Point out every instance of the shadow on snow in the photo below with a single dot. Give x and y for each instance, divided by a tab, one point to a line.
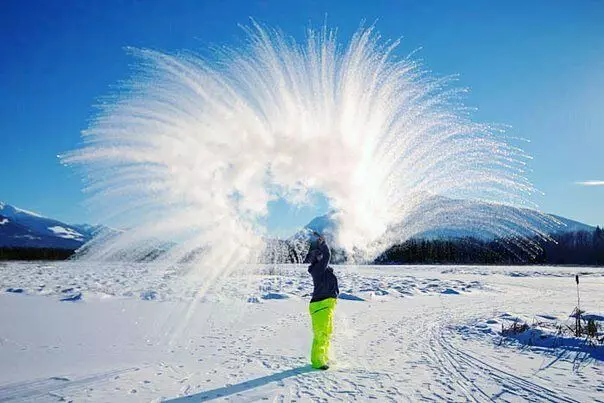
241	387
576	350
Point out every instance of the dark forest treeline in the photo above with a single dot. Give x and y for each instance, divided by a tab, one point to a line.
577	248
35	253
574	248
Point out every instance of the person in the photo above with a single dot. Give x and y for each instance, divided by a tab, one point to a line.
323	302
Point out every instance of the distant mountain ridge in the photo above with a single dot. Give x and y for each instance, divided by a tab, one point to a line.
454	228
20	228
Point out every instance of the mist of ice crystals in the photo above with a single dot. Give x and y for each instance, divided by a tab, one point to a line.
192	150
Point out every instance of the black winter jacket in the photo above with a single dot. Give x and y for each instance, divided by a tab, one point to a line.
324	280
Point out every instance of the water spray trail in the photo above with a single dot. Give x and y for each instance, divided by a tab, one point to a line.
190	153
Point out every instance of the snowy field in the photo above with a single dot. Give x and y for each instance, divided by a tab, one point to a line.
74	332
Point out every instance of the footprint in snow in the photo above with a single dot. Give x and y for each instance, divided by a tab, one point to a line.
450	291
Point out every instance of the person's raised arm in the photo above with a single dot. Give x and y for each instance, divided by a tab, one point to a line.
325	255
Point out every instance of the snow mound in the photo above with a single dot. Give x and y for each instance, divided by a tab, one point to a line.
148	295
156	282
549	336
275	295
77	296
15	290
349	297
450	291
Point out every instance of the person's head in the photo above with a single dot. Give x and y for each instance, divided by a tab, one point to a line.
320	238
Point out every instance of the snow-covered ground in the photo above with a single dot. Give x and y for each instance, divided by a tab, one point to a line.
70	331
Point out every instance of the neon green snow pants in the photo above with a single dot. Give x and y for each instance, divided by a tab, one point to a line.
321	313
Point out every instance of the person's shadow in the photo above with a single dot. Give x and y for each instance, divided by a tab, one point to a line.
241	387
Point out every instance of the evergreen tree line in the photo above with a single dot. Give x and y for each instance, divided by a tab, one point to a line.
35	253
574	248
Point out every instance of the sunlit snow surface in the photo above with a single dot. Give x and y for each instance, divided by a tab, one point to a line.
402	333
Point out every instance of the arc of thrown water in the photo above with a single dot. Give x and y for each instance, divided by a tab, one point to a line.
193	150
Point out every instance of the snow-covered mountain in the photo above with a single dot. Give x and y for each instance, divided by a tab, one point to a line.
455	216
22	228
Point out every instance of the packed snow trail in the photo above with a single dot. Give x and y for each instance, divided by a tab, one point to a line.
403	340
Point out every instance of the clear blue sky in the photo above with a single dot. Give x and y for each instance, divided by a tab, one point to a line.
535	65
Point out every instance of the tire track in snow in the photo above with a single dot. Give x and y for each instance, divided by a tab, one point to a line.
461	363
456	374
44	387
446	366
